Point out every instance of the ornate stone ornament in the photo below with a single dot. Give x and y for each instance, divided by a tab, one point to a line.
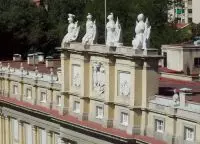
73	31
90	36
124	84
113	32
76	76
142	31
99	78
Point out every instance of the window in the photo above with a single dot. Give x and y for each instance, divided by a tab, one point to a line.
159	125
76	107
165	59
58	100
197	62
15	130
28	134
190	11
43	97
189	134
15	89
43	137
190	20
28	93
99	112
124	118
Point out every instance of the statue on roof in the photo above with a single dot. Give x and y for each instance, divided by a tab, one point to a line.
142	31
73	30
176	98
113	32
91	30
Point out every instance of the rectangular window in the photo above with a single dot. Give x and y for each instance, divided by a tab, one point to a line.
15	130
76	107
15	89
197	62
43	97
28	93
124	118
99	112
159	126
58	100
189	134
28	134
190	11
43	137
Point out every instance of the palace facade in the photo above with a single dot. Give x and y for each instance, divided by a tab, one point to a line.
98	95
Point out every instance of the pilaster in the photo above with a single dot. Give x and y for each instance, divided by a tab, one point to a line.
110	94
21	133
84	101
49	137
34	133
1	130
144	122
7	130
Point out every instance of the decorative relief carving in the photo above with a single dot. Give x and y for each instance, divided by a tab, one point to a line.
99	78
76	76
124	84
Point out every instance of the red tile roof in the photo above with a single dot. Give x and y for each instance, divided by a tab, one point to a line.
75	121
166	87
166	70
41	66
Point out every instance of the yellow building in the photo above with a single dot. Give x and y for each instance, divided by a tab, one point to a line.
100	96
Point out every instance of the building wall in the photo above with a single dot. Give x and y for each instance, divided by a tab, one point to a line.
174	59
196	11
175	119
188	60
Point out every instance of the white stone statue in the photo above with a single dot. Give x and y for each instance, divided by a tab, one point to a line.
99	78
142	30
90	36
176	98
73	30
113	32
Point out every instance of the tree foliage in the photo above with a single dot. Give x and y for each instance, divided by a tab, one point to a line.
24	26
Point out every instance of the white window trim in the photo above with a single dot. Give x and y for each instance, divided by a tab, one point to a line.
27	95
191	139
75	109
99	115
58	102
159	125
122	118
15	89
42	100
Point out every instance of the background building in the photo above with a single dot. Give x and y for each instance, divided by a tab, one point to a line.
185	11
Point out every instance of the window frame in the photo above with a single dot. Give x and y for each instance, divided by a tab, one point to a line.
58	100
99	115
43	99
186	127
27	93
15	89
75	109
122	118
159	125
